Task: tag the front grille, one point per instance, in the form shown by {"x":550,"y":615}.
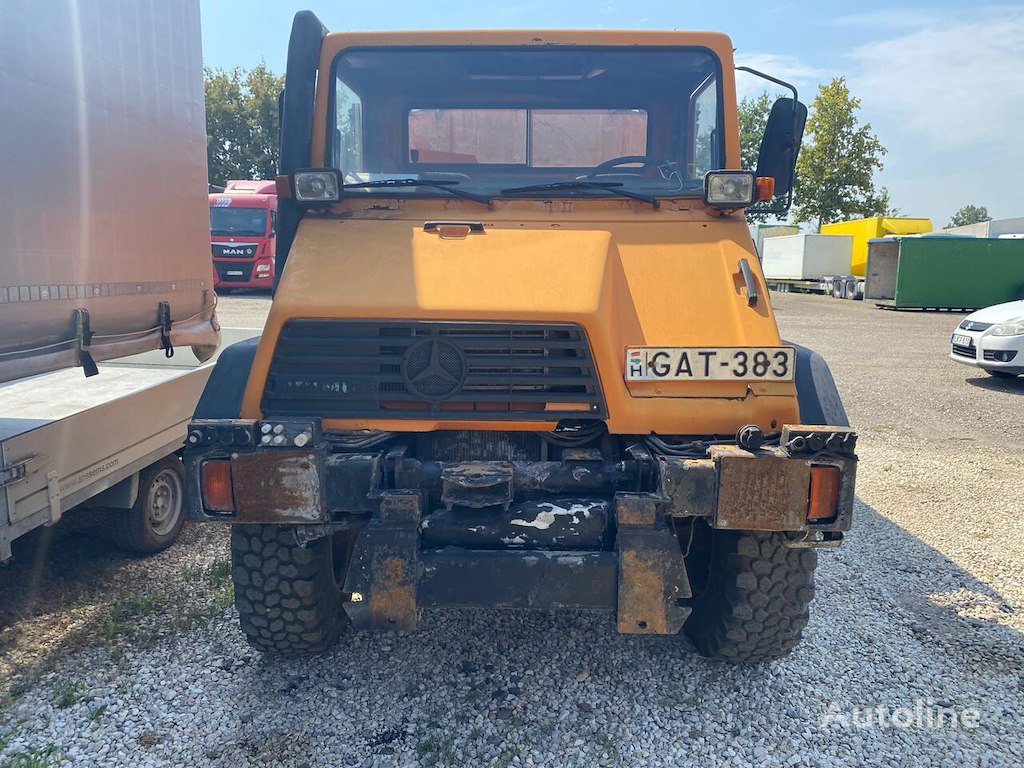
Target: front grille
{"x":234,"y":250}
{"x":243,"y":272}
{"x":1002,"y":356}
{"x":961,"y":351}
{"x":437,"y":370}
{"x":974,"y":325}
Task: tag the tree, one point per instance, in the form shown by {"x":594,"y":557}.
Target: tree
{"x":241,"y":123}
{"x":969,"y":214}
{"x":836,"y":168}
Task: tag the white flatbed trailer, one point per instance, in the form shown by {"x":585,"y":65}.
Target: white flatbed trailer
{"x":67,"y":440}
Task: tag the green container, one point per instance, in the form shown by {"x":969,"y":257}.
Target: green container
{"x":944,"y":272}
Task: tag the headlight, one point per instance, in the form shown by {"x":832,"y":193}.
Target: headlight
{"x":729,"y":189}
{"x":319,"y":185}
{"x":1013,"y":327}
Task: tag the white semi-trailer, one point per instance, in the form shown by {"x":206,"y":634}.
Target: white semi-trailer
{"x":807,"y":262}
{"x":104,"y":253}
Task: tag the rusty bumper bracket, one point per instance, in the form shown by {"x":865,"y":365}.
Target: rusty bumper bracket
{"x":384,"y":567}
{"x":653,"y":588}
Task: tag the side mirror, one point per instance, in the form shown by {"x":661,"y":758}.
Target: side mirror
{"x":781,"y":143}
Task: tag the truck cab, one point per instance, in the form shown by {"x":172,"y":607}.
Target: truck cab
{"x":521,"y":354}
{"x":243,"y":234}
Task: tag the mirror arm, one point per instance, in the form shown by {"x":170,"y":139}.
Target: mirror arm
{"x":775,"y":80}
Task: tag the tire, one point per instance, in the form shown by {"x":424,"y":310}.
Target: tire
{"x":753,"y":605}
{"x":287,"y":596}
{"x":155,"y":520}
{"x":1000,"y":374}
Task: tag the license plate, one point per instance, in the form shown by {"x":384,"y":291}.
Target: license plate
{"x":963,"y":341}
{"x":710,"y":364}
{"x":233,"y":273}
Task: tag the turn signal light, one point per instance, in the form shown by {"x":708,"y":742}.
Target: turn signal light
{"x":215,"y":478}
{"x":765,"y":187}
{"x":823,"y":500}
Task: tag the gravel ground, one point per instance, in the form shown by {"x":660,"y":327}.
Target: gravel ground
{"x":111,"y":661}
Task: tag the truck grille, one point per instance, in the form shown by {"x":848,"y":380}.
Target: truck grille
{"x":438,"y":370}
{"x":242,"y":272}
{"x":234,"y":250}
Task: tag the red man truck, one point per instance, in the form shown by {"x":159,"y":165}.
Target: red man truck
{"x":243,"y":224}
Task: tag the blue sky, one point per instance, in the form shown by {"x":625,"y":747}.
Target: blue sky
{"x":941,"y":82}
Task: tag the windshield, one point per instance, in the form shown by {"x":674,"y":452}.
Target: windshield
{"x":251,"y":222}
{"x":491,"y":119}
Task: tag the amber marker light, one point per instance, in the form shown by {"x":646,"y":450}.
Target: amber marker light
{"x":823,"y":499}
{"x":216,"y":485}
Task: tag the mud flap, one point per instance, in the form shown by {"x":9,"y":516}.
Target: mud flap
{"x":384,"y":568}
{"x":653,"y":587}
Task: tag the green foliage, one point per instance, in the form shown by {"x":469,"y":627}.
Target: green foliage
{"x":241,"y":123}
{"x":68,"y":693}
{"x":753,"y":117}
{"x":37,"y":757}
{"x":969,"y":214}
{"x":837,"y":164}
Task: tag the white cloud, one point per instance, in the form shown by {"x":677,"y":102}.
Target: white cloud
{"x":783,"y":66}
{"x":955,"y":84}
{"x":890,"y":18}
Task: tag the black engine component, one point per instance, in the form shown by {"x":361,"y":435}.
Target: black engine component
{"x":478,"y":445}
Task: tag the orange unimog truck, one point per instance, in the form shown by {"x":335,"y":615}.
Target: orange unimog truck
{"x":521,"y":354}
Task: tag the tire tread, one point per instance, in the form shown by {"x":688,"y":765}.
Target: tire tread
{"x":758,"y":598}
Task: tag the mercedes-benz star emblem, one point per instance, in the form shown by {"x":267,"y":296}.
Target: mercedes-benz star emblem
{"x":434,"y":369}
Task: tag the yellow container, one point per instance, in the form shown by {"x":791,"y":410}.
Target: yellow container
{"x":865,"y":229}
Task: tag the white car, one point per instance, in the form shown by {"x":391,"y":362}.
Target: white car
{"x":992,"y":339}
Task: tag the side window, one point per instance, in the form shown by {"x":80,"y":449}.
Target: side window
{"x":348,"y":129}
{"x":704,"y":128}
{"x":273,"y":223}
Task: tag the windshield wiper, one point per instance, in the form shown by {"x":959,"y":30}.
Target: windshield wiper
{"x":445,"y":184}
{"x":615,"y":187}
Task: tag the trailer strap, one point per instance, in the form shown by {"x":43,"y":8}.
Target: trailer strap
{"x":163,"y":317}
{"x":83,"y":339}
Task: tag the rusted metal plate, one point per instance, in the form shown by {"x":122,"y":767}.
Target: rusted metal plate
{"x":384,"y":569}
{"x":277,"y":487}
{"x":400,"y":507}
{"x":652,"y":575}
{"x":384,"y":572}
{"x":762,"y":493}
{"x":476,"y":484}
{"x":690,"y":485}
{"x":636,"y":509}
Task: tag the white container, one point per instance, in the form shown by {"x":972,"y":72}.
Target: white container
{"x":806,"y":257}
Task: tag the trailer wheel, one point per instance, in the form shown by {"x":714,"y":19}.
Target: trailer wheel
{"x":288,"y":597}
{"x":155,"y":520}
{"x":751,"y":595}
